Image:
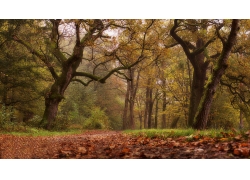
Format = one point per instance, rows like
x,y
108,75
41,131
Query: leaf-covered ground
x,y
112,144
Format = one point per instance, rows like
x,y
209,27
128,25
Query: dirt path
x,y
112,144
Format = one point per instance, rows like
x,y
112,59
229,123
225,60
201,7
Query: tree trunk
x,y
174,123
56,93
132,87
49,116
150,108
156,113
140,118
164,105
125,111
133,90
197,88
206,102
241,120
146,108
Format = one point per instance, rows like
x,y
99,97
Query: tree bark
x,y
174,122
164,105
132,87
241,120
206,102
56,94
150,107
125,111
146,109
199,77
156,110
131,100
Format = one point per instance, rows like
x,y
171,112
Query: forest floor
x,y
118,145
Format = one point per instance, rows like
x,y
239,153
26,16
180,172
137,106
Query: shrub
x,y
97,120
61,123
5,117
34,121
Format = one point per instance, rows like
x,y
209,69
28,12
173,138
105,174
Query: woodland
x,y
104,77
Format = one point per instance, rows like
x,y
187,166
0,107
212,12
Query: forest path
x,y
116,145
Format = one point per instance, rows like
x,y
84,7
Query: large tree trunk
x,y
49,116
199,77
56,94
206,102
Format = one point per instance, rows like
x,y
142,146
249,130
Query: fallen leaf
x,y
244,152
236,152
224,139
244,145
199,150
247,133
125,150
238,138
82,150
112,146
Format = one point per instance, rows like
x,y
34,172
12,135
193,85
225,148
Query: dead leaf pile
x,y
115,145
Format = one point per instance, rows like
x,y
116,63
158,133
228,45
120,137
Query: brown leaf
x,y
176,144
125,150
163,142
196,136
82,150
247,133
245,152
244,145
238,138
236,152
224,139
112,146
199,150
67,153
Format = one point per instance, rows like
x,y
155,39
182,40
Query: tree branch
x,y
200,50
54,43
37,54
80,81
179,40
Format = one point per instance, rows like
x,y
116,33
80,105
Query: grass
x,y
41,132
174,133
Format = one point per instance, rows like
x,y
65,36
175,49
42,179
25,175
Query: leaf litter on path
x,y
116,145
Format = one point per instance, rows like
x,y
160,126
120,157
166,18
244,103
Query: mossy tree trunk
x,y
207,99
198,82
